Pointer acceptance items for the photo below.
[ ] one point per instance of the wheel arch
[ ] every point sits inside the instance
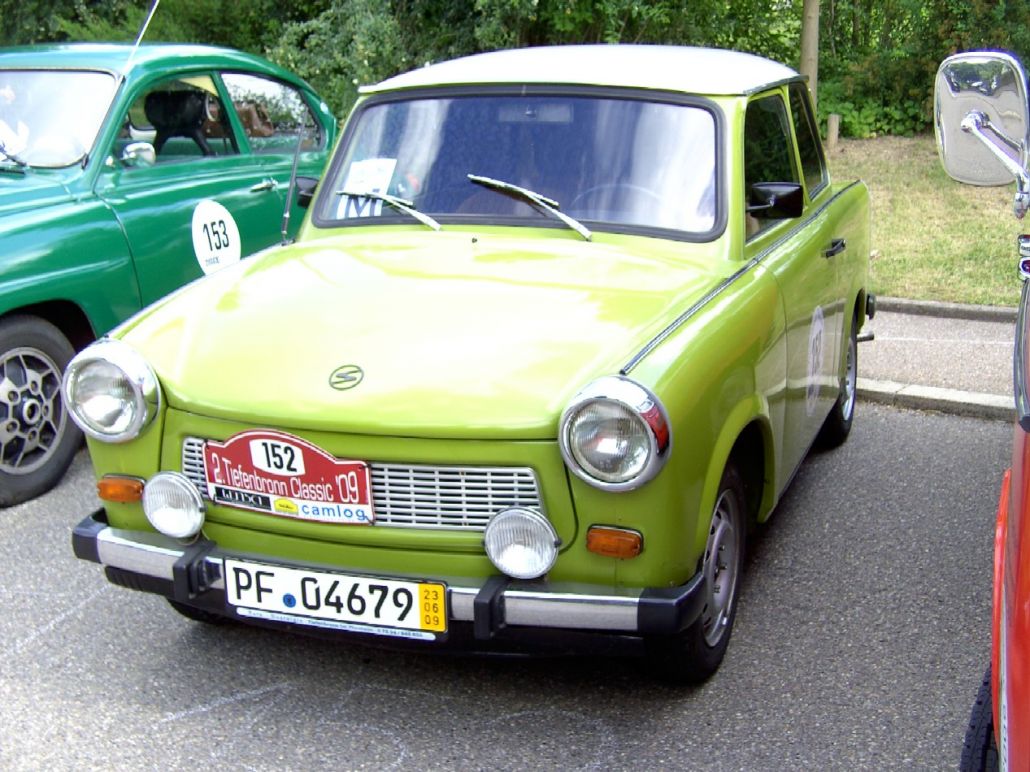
(65, 315)
(746, 440)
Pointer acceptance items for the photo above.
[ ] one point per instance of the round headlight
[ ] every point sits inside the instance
(111, 392)
(615, 434)
(521, 543)
(173, 505)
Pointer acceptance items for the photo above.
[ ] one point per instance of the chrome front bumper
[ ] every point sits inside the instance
(154, 563)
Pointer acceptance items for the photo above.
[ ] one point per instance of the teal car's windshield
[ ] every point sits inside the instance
(50, 118)
(603, 160)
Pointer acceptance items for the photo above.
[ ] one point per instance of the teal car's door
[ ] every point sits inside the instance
(277, 122)
(200, 201)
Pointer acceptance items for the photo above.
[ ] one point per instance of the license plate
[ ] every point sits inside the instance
(280, 474)
(355, 603)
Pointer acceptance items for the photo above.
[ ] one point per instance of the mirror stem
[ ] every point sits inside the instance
(975, 123)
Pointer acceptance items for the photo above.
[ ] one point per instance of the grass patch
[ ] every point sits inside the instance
(932, 238)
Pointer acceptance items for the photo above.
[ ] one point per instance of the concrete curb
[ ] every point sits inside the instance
(953, 401)
(949, 310)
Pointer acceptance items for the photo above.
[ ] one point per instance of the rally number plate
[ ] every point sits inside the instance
(361, 604)
(280, 474)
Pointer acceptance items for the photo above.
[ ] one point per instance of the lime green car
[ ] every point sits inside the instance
(559, 327)
(125, 174)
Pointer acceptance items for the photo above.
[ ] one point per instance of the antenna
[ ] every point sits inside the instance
(293, 183)
(140, 34)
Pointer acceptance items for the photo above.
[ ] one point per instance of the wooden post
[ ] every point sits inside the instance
(832, 131)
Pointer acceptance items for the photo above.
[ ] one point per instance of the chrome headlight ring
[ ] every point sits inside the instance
(615, 434)
(111, 391)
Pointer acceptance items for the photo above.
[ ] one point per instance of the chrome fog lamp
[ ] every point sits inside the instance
(615, 435)
(173, 505)
(521, 543)
(111, 392)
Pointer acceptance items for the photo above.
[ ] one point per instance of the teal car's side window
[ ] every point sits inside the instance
(182, 118)
(273, 115)
(768, 151)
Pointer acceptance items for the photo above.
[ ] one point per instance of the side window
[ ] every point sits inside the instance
(813, 165)
(768, 151)
(273, 115)
(182, 118)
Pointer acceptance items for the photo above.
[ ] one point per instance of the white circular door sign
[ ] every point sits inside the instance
(816, 359)
(216, 239)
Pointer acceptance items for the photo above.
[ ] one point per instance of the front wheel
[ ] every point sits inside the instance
(979, 750)
(696, 653)
(37, 438)
(837, 427)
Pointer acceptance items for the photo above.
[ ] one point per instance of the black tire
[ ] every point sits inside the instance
(694, 655)
(980, 750)
(197, 614)
(837, 426)
(37, 437)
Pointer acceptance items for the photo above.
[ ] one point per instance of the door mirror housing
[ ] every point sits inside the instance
(980, 117)
(138, 154)
(776, 200)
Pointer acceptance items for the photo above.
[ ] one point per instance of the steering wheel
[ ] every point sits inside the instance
(615, 186)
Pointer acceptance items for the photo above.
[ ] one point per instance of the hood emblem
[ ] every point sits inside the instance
(346, 377)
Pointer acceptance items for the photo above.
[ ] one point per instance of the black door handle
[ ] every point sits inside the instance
(836, 247)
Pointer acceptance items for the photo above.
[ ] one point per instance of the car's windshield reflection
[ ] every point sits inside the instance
(625, 162)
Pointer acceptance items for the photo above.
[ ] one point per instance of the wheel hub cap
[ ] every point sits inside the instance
(32, 417)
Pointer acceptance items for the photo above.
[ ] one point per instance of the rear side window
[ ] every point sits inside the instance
(273, 115)
(813, 165)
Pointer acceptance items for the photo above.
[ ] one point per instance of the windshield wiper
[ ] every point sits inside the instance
(548, 205)
(19, 162)
(401, 204)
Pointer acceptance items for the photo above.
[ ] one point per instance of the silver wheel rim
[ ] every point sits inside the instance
(32, 415)
(850, 380)
(721, 566)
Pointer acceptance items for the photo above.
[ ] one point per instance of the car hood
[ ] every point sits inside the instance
(456, 334)
(30, 191)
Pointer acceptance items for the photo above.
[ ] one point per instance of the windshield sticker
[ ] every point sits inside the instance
(216, 239)
(372, 175)
(816, 359)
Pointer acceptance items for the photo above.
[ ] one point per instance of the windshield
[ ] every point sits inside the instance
(50, 118)
(623, 162)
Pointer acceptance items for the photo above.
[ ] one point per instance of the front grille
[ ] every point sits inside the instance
(416, 496)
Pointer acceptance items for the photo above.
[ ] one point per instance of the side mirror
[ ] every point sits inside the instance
(776, 200)
(138, 154)
(980, 117)
(306, 190)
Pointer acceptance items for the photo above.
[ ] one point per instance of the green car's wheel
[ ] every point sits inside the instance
(837, 427)
(37, 438)
(696, 653)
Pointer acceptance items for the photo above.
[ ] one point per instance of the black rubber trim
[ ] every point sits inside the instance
(488, 608)
(139, 582)
(190, 575)
(664, 611)
(84, 536)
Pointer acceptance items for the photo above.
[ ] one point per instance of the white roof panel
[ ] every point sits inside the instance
(709, 71)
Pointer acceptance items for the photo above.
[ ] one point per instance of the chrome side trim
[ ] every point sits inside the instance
(1019, 360)
(679, 321)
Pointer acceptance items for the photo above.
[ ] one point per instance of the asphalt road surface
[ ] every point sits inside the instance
(861, 639)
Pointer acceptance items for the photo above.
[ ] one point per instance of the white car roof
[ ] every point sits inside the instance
(708, 71)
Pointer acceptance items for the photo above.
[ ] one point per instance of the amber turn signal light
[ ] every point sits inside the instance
(614, 542)
(120, 490)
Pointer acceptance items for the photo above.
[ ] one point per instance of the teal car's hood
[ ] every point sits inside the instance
(456, 334)
(30, 191)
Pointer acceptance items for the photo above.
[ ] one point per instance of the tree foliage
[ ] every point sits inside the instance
(877, 58)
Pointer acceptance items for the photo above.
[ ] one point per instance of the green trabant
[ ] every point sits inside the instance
(125, 174)
(558, 329)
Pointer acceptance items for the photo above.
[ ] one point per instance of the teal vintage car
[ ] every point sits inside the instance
(558, 329)
(125, 174)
